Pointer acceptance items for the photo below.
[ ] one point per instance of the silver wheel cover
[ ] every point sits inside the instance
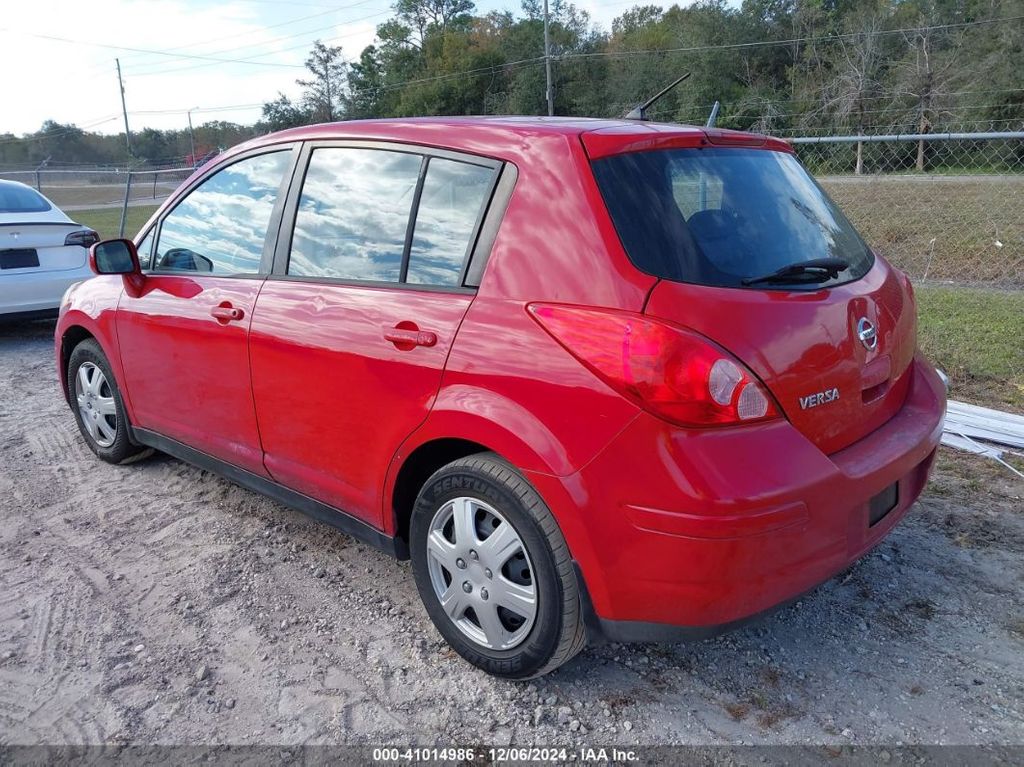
(481, 573)
(96, 404)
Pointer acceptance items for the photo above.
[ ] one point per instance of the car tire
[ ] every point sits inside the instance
(98, 407)
(460, 569)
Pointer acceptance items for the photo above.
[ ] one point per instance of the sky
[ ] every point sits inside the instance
(57, 57)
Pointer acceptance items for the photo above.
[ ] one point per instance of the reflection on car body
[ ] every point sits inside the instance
(566, 366)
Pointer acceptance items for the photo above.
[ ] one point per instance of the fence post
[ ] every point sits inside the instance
(124, 208)
(154, 184)
(39, 181)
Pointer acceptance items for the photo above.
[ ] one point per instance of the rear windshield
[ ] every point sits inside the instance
(21, 199)
(719, 216)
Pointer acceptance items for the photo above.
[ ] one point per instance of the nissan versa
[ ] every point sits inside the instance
(596, 378)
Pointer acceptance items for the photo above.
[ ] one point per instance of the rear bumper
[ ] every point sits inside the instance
(27, 292)
(680, 535)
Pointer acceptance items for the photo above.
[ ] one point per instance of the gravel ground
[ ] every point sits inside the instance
(157, 603)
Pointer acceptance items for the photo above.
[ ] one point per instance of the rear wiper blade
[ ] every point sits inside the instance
(804, 271)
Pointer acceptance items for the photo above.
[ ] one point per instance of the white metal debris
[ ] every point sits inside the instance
(985, 423)
(969, 427)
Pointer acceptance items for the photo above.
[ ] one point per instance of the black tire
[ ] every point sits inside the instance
(558, 632)
(121, 450)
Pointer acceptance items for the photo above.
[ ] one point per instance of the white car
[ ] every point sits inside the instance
(42, 253)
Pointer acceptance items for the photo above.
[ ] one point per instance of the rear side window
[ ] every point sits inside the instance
(453, 198)
(220, 226)
(353, 214)
(377, 215)
(719, 216)
(21, 199)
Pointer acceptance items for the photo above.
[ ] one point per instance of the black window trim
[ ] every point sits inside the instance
(491, 216)
(269, 240)
(484, 231)
(410, 225)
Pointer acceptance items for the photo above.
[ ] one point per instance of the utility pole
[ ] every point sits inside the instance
(547, 63)
(124, 109)
(191, 138)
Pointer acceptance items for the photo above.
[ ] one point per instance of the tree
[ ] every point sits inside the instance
(281, 113)
(365, 84)
(323, 95)
(924, 78)
(827, 66)
(425, 16)
(857, 66)
(153, 146)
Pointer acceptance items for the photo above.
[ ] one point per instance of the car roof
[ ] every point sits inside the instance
(513, 125)
(485, 133)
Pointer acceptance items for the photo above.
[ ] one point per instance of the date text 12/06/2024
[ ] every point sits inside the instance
(503, 754)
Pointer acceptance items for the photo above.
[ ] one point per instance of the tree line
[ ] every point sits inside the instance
(788, 67)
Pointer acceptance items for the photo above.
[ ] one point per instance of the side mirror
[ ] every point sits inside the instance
(114, 257)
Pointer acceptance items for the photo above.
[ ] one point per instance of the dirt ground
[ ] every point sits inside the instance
(157, 603)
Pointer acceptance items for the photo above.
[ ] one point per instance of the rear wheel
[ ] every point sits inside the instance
(494, 571)
(98, 407)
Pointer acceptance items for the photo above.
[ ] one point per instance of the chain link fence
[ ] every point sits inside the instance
(93, 189)
(942, 207)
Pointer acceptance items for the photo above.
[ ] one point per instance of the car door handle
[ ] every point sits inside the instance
(227, 313)
(407, 339)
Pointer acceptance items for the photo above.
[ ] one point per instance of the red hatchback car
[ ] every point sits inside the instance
(596, 378)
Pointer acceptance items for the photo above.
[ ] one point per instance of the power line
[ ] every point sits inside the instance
(226, 108)
(147, 51)
(67, 131)
(310, 32)
(263, 27)
(254, 57)
(771, 43)
(513, 65)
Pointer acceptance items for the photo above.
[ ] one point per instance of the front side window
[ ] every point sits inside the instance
(353, 214)
(725, 216)
(454, 194)
(220, 227)
(145, 248)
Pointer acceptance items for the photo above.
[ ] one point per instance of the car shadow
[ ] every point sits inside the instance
(26, 330)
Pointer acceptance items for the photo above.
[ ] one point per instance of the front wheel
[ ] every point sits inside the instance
(494, 571)
(97, 405)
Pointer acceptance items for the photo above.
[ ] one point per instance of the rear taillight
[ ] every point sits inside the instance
(85, 238)
(677, 374)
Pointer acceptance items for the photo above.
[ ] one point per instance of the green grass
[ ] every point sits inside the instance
(977, 337)
(963, 229)
(107, 221)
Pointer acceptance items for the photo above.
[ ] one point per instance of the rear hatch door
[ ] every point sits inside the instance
(805, 347)
(712, 219)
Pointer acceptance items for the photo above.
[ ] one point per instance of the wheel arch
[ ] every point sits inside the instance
(416, 469)
(467, 420)
(76, 326)
(71, 337)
